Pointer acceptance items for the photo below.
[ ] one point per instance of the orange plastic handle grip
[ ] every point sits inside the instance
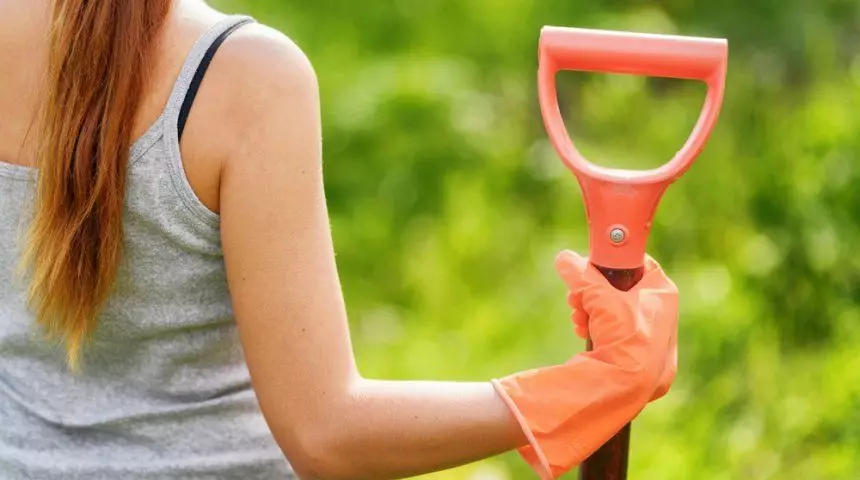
(608, 51)
(620, 204)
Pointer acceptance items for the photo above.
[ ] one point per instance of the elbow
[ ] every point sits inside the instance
(322, 453)
(323, 442)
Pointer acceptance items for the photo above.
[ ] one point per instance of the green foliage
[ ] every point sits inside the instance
(448, 206)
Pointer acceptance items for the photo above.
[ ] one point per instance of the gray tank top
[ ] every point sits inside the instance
(165, 391)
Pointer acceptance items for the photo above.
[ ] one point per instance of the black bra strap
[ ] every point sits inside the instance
(201, 72)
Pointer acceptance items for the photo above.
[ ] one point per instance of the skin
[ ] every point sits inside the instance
(252, 151)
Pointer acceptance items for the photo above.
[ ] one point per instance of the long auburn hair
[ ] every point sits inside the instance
(100, 56)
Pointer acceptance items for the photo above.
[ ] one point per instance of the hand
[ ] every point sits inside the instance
(578, 274)
(568, 411)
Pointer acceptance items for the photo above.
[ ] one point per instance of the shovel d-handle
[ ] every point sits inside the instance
(620, 204)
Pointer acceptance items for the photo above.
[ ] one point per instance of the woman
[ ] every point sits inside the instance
(181, 259)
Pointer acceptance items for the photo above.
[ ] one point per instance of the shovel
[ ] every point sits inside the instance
(620, 204)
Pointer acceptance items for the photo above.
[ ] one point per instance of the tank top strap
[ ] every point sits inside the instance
(194, 69)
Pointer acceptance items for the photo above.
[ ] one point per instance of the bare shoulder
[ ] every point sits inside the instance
(260, 83)
(258, 57)
(264, 77)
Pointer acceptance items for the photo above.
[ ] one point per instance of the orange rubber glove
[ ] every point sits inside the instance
(568, 411)
(580, 320)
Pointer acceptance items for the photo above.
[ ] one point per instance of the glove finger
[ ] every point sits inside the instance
(574, 300)
(655, 278)
(580, 318)
(665, 383)
(669, 371)
(580, 322)
(571, 267)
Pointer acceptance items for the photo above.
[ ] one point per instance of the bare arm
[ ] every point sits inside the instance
(330, 422)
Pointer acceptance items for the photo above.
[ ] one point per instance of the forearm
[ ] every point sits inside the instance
(386, 430)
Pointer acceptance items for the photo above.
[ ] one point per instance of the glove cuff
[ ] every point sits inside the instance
(533, 453)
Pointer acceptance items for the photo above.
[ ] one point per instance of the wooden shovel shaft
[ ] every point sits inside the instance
(610, 461)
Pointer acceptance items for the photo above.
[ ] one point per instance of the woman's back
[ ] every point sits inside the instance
(164, 391)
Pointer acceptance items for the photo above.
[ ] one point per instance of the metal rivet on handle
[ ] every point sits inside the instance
(616, 235)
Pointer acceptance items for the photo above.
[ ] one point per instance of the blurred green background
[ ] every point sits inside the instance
(448, 205)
